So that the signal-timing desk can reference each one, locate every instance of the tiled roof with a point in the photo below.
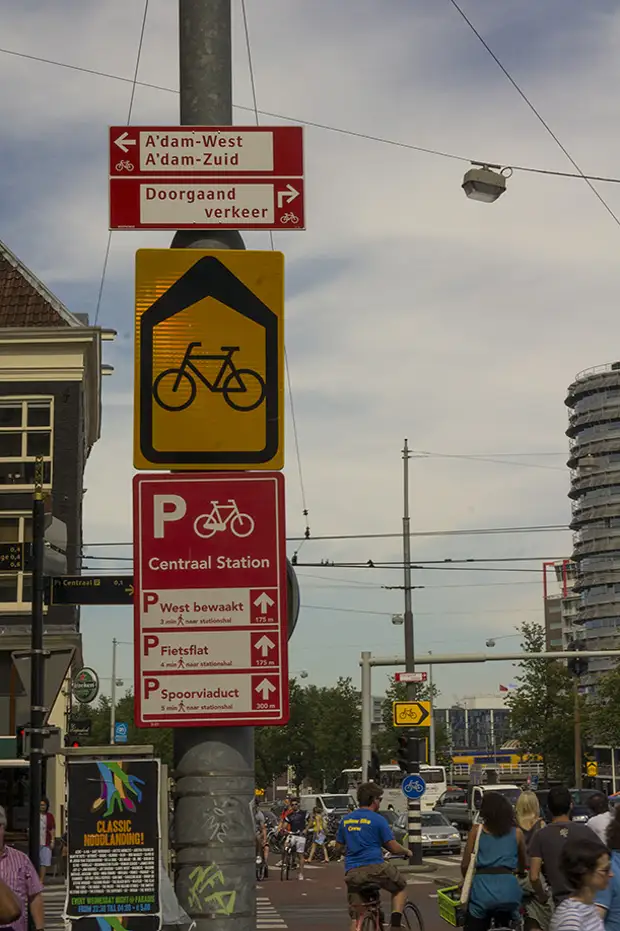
(25, 301)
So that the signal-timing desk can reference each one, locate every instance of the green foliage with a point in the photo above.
(322, 738)
(542, 708)
(604, 710)
(99, 715)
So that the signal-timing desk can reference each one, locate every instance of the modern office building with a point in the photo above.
(561, 603)
(479, 722)
(50, 408)
(593, 400)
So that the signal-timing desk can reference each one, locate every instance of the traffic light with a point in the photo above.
(20, 742)
(579, 665)
(374, 770)
(402, 754)
(72, 741)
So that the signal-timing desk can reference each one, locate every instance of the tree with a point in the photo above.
(542, 708)
(99, 715)
(604, 710)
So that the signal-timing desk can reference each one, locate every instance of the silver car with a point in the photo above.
(438, 835)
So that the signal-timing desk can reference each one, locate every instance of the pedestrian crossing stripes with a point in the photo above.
(54, 903)
(443, 861)
(267, 916)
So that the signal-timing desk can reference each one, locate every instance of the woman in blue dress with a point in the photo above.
(495, 890)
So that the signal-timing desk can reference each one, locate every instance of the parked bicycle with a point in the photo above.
(176, 388)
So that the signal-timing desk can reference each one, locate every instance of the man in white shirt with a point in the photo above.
(599, 822)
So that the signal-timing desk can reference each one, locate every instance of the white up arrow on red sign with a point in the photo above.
(123, 141)
(265, 687)
(265, 644)
(263, 602)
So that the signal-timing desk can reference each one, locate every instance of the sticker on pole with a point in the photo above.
(413, 786)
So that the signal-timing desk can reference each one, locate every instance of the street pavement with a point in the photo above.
(54, 901)
(319, 902)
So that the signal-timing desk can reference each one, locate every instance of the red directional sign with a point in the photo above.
(206, 177)
(411, 677)
(275, 152)
(210, 600)
(207, 203)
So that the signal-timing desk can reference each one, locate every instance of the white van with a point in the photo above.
(327, 803)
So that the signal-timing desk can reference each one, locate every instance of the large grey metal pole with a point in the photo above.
(214, 766)
(113, 693)
(366, 715)
(431, 735)
(414, 807)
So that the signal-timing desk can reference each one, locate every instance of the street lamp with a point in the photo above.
(492, 640)
(484, 184)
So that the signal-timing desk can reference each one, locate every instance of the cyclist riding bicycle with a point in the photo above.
(260, 829)
(297, 821)
(363, 834)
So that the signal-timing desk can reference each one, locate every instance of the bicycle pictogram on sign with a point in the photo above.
(175, 389)
(207, 525)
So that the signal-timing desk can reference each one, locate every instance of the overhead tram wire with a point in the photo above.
(300, 474)
(382, 140)
(130, 111)
(538, 116)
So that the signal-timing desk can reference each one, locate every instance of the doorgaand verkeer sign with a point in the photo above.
(114, 844)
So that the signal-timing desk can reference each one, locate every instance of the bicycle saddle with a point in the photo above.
(370, 891)
(229, 348)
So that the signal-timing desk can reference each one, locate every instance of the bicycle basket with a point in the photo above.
(450, 908)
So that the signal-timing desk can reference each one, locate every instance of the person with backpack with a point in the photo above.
(528, 818)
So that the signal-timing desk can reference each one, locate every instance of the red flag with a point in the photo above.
(504, 688)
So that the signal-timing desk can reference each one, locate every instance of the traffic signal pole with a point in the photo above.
(213, 766)
(414, 807)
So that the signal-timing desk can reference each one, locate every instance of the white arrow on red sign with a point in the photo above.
(123, 141)
(410, 677)
(288, 194)
(264, 645)
(265, 687)
(263, 602)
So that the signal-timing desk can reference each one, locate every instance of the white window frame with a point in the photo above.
(14, 400)
(14, 607)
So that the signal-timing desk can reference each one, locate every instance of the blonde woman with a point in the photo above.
(527, 813)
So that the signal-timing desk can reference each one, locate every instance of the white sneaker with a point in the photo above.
(300, 877)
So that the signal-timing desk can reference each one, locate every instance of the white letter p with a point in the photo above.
(161, 513)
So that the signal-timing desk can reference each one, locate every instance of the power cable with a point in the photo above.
(423, 454)
(131, 100)
(538, 116)
(383, 140)
(304, 504)
(480, 531)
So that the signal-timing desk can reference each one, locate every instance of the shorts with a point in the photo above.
(296, 842)
(385, 875)
(45, 856)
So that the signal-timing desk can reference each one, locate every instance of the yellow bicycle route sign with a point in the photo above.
(209, 364)
(411, 713)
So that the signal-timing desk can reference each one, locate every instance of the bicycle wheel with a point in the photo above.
(370, 922)
(169, 395)
(242, 525)
(412, 917)
(205, 526)
(260, 870)
(244, 390)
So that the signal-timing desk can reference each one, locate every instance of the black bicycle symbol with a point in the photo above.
(175, 389)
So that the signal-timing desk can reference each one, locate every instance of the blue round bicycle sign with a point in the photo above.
(413, 786)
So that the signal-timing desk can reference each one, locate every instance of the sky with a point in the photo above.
(411, 311)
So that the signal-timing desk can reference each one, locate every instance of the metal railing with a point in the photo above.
(595, 370)
(505, 769)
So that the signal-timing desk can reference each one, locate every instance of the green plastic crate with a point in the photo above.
(450, 908)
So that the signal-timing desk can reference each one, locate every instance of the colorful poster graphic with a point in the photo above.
(114, 844)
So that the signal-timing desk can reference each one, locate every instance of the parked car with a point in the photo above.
(438, 835)
(580, 811)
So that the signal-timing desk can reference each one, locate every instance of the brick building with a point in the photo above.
(50, 406)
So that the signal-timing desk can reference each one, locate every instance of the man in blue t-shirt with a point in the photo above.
(364, 833)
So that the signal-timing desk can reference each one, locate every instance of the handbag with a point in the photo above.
(469, 876)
